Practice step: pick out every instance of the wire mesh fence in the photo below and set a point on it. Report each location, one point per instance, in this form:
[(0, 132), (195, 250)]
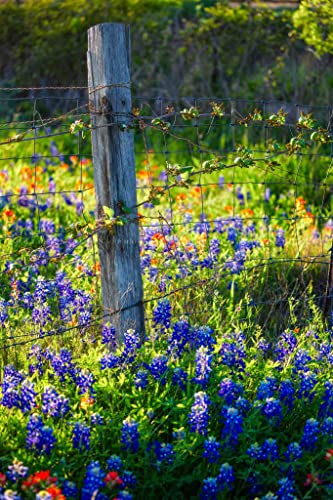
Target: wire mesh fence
[(234, 206)]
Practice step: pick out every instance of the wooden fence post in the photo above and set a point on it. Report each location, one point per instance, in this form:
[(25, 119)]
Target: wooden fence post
[(114, 173)]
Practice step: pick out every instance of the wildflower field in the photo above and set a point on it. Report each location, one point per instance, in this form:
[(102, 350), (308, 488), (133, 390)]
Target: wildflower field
[(230, 393)]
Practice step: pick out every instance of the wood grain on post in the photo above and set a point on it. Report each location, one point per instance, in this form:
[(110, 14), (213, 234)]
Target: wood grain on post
[(114, 173)]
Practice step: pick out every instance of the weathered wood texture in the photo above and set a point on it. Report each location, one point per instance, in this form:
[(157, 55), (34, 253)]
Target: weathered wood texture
[(114, 173)]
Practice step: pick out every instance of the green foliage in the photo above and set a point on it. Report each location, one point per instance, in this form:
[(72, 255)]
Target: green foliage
[(48, 38), (314, 22), (179, 47)]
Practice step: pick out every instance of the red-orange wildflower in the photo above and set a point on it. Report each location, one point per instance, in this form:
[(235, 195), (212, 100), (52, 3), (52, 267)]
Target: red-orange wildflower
[(56, 493), (312, 479), (3, 479), (112, 479)]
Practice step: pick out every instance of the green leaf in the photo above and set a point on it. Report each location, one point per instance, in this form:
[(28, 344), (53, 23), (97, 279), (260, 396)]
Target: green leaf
[(109, 212)]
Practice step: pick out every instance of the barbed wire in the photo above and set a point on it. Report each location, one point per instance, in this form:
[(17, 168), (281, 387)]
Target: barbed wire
[(166, 127)]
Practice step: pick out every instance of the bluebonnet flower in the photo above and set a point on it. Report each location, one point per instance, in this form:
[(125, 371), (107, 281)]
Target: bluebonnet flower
[(287, 393), (79, 207), (226, 477), (215, 248), (162, 286), (232, 235), (310, 434), (243, 405), (327, 427), (238, 222), (130, 435), (114, 463), (203, 226), (40, 356), (164, 454), (211, 450), (3, 312), (180, 337), (210, 489), (237, 263), (53, 149), (293, 452), (85, 381), (267, 194), (27, 300), (158, 368), (27, 397), (145, 263), (41, 259), (96, 419), (326, 352), (272, 409), (41, 314), (11, 379), (179, 435), (39, 436), (255, 482), (230, 391), (66, 296), (109, 335), (54, 404), (308, 381), (270, 450), (267, 388), (255, 452), (110, 361), (326, 407), (162, 314), (221, 181), (233, 425), (246, 245), (207, 262), (93, 481), (286, 490), (128, 478), (53, 245), (131, 345), (280, 239), (240, 195), (83, 307), (233, 353), (202, 336), (220, 225), (301, 360), (63, 365), (264, 346), (46, 226), (179, 377), (286, 345), (42, 290), (17, 470), (203, 361), (251, 228), (69, 489), (141, 379), (81, 436), (199, 416)]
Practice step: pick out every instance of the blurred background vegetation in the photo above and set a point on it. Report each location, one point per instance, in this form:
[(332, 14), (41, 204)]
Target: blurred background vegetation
[(269, 50)]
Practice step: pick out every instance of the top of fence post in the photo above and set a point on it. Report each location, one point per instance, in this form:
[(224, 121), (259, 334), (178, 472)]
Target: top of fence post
[(114, 173)]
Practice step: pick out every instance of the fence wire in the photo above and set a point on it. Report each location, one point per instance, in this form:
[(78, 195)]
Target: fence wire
[(234, 208)]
